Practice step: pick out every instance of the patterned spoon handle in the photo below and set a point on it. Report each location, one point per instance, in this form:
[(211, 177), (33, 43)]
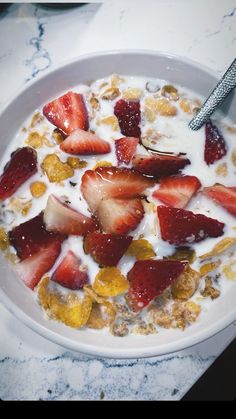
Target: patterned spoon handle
[(217, 96)]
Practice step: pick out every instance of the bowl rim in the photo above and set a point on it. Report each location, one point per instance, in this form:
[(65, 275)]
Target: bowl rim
[(91, 349)]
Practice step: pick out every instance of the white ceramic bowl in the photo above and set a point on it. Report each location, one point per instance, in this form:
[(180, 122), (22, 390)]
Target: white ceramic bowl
[(15, 296)]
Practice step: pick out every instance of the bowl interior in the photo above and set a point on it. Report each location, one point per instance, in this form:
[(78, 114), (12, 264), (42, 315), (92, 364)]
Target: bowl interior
[(14, 294)]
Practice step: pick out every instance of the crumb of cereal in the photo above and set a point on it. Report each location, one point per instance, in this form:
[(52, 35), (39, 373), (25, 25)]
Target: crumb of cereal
[(222, 170), (184, 253), (55, 169), (36, 119), (228, 270), (186, 284), (94, 102), (96, 320), (4, 239), (102, 163), (209, 290), (112, 121), (231, 129), (144, 329), (12, 257), (119, 329), (57, 136), (111, 93), (76, 163), (21, 205), (38, 189), (149, 114), (116, 80), (131, 93), (170, 92), (233, 156), (35, 140), (185, 313)]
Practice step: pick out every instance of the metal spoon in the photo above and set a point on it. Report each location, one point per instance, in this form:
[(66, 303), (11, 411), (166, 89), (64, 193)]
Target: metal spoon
[(217, 96)]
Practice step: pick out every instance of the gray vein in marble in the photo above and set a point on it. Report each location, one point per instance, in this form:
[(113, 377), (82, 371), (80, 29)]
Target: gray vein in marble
[(227, 15), (40, 59), (230, 14)]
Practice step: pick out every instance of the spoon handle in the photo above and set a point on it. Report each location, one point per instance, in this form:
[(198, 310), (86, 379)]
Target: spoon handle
[(217, 96)]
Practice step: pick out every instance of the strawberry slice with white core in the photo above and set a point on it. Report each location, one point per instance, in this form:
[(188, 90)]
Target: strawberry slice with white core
[(112, 182), (225, 196), (82, 142), (32, 269), (158, 165), (176, 191), (71, 273), (125, 149), (68, 112), (120, 216), (181, 227), (61, 218)]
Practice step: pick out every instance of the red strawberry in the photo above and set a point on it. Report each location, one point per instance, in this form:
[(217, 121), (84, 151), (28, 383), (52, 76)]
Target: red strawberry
[(112, 182), (179, 226), (61, 218), (157, 165), (129, 116), (177, 191), (125, 149), (70, 273), (30, 237), (22, 165), (120, 216), (83, 143), (215, 146), (68, 112), (34, 267), (222, 195), (149, 278), (106, 249)]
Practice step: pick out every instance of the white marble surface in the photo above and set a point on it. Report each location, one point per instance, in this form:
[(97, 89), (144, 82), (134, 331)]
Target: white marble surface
[(31, 40)]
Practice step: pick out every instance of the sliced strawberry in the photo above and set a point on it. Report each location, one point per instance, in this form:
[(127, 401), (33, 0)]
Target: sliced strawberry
[(179, 226), (149, 278), (215, 146), (125, 149), (61, 218), (176, 191), (82, 142), (112, 182), (129, 116), (223, 195), (157, 165), (68, 112), (120, 216), (70, 273), (21, 166), (106, 249), (34, 267), (30, 237)]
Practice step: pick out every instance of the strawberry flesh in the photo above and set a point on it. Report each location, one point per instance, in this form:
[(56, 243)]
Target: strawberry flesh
[(129, 116), (157, 165), (222, 195), (31, 269), (215, 146), (61, 218), (149, 278), (120, 216), (31, 237), (68, 112), (106, 249), (112, 182), (81, 142), (125, 149), (182, 227), (22, 165), (70, 274), (176, 191)]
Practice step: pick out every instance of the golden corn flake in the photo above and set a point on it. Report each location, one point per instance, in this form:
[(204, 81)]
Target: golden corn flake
[(132, 93), (228, 270), (161, 106), (109, 282), (57, 136), (116, 80), (209, 290), (96, 320), (141, 249), (161, 317), (35, 140), (220, 247), (185, 105), (111, 93), (38, 189), (76, 163), (222, 170), (21, 205), (55, 169), (209, 267), (70, 310), (186, 284), (102, 164), (170, 92), (184, 253), (112, 121), (36, 119), (4, 239), (94, 102)]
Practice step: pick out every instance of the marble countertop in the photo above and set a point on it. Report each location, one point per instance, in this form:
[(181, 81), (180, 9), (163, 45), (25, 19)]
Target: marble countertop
[(32, 39)]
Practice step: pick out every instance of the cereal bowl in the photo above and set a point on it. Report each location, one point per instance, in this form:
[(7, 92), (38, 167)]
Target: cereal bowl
[(17, 298)]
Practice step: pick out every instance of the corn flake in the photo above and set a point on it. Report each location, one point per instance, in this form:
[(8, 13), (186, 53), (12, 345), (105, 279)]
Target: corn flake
[(111, 93), (112, 121), (102, 164), (170, 92), (4, 239), (220, 247), (109, 282), (184, 253), (209, 267), (55, 169), (70, 310), (209, 290), (38, 189), (21, 205), (141, 249), (228, 271), (132, 93)]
